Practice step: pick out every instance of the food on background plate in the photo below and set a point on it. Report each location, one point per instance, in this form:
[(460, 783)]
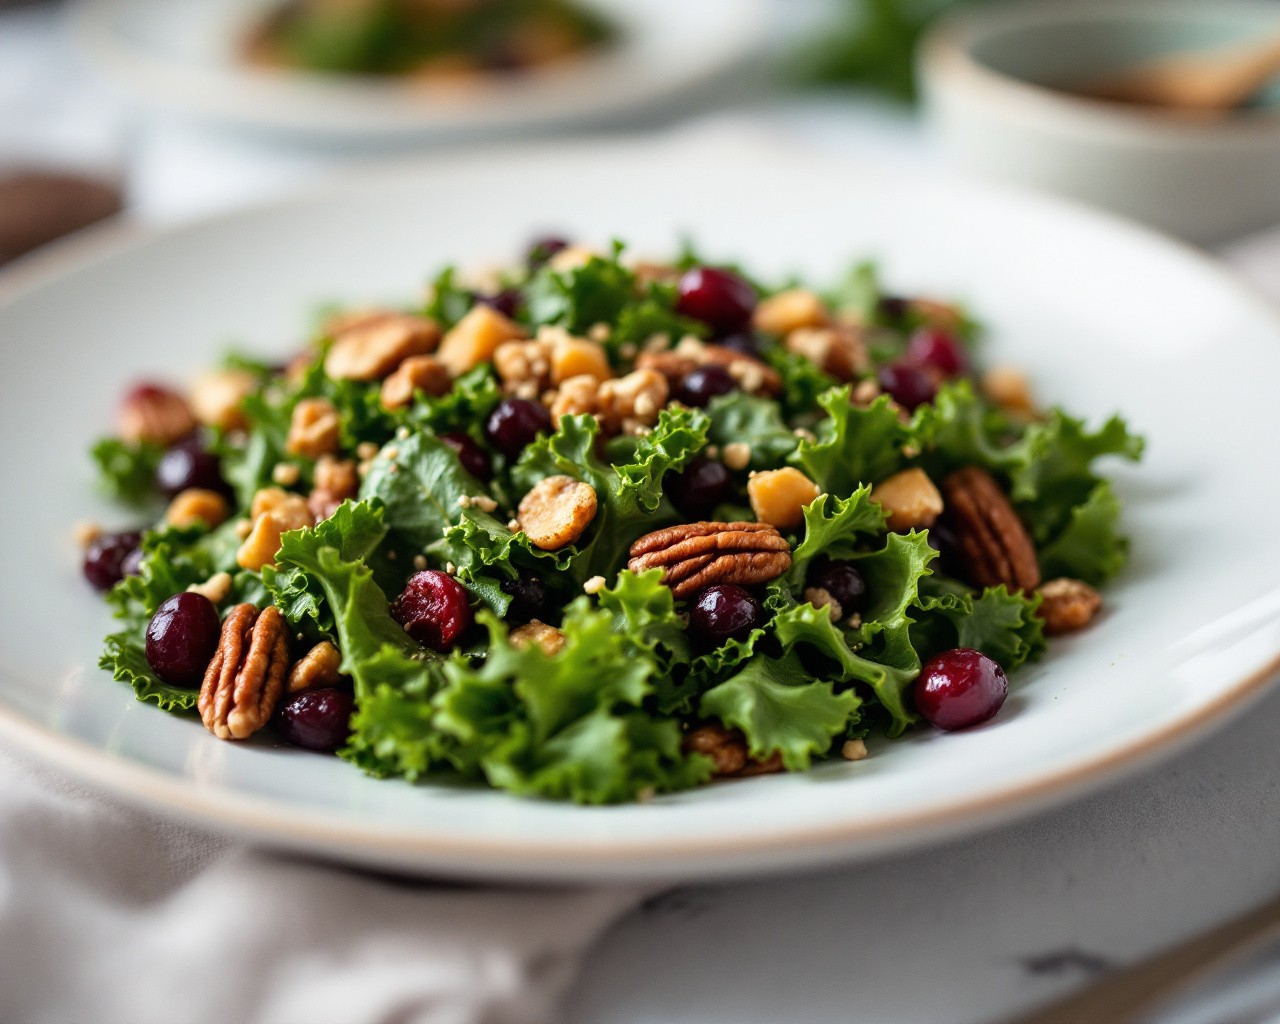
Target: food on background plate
[(595, 529), (430, 40)]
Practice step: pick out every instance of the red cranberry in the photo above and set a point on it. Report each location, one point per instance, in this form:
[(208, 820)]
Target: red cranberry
[(741, 341), (724, 611), (187, 464), (106, 556), (960, 688), (471, 455), (719, 298), (529, 598), (704, 484), (908, 384), (843, 582), (543, 249), (132, 564), (703, 384), (507, 302), (318, 719), (182, 637), (938, 350), (944, 540), (514, 423), (434, 609)]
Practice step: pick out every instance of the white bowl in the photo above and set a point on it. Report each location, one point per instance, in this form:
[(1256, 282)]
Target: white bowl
[(990, 79)]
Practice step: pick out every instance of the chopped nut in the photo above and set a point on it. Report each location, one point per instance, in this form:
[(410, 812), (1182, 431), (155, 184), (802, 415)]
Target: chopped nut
[(195, 505), (737, 455), (594, 585), (217, 588), (575, 397), (526, 365), (1008, 389), (854, 750), (366, 450), (314, 429), (557, 511), (474, 339), (695, 555), (778, 496), (839, 351), (85, 533), (866, 391), (417, 373), (727, 749), (639, 396), (372, 347), (336, 477), (550, 639), (481, 501), (154, 414), (216, 398), (285, 474), (245, 679), (576, 357), (243, 528), (262, 544), (289, 510), (318, 667), (788, 311), (1067, 605), (820, 597), (909, 499)]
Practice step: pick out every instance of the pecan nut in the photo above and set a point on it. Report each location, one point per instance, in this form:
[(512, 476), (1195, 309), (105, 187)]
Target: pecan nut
[(1068, 605), (696, 555), (727, 749), (993, 544), (246, 677)]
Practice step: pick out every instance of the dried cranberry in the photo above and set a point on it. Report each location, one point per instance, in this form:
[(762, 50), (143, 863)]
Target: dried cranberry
[(704, 484), (132, 564), (188, 464), (908, 384), (543, 249), (719, 298), (182, 637), (938, 350), (514, 423), (530, 598), (434, 609), (318, 719), (843, 582), (507, 302), (471, 455), (701, 385), (106, 556), (960, 688), (724, 611)]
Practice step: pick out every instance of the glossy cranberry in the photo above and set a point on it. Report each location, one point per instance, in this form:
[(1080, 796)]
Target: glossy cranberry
[(471, 455), (318, 719), (719, 298), (703, 384), (843, 582), (106, 556), (908, 384), (182, 637), (741, 341), (944, 540), (188, 464), (960, 688), (543, 249), (530, 598), (434, 609), (703, 484), (724, 611), (132, 564), (939, 350), (515, 422), (507, 302)]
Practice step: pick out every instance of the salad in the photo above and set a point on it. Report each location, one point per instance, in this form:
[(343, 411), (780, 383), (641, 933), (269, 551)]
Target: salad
[(593, 529)]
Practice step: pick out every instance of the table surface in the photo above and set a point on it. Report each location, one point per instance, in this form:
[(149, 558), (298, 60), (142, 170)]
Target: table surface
[(967, 931)]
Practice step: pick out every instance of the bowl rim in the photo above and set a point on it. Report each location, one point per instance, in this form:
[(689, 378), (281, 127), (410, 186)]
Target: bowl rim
[(946, 63)]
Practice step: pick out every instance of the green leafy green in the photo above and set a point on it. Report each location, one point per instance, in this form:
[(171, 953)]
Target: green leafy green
[(127, 470), (577, 299), (833, 528), (853, 446), (756, 422), (1001, 625), (1090, 546), (463, 408), (449, 302)]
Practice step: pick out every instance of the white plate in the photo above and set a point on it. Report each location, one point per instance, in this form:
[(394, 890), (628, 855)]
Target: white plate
[(1105, 315), (182, 54)]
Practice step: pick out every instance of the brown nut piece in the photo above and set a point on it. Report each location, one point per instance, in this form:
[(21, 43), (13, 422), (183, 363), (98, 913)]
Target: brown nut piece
[(154, 414), (524, 365), (289, 510), (245, 679), (550, 639), (1067, 605), (839, 351), (318, 667), (635, 399), (195, 505), (336, 480), (727, 749), (370, 346), (994, 545), (557, 511), (216, 398), (695, 555), (314, 429), (909, 499), (417, 373), (789, 311)]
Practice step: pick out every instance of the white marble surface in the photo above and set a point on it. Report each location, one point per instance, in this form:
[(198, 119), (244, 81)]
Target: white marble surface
[(968, 931)]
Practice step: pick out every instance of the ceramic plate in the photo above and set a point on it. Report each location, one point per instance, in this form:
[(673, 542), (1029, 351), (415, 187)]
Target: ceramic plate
[(182, 54), (1105, 316)]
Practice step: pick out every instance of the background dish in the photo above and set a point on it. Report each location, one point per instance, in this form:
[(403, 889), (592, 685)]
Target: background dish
[(183, 54), (1104, 315)]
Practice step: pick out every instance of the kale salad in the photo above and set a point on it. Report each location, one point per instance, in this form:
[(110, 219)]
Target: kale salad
[(594, 529)]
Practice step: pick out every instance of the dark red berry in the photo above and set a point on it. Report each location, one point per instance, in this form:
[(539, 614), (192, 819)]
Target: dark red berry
[(132, 564), (938, 350), (514, 423), (960, 688), (724, 611), (908, 384), (182, 637), (892, 309), (434, 609), (507, 302), (106, 556), (843, 582), (944, 540), (188, 464), (701, 385), (704, 484), (471, 455), (318, 719), (530, 598), (719, 298), (543, 249), (741, 341)]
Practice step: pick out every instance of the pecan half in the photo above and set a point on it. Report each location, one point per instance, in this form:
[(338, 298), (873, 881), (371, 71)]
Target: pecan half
[(1068, 605), (245, 679), (727, 749), (696, 555), (993, 543)]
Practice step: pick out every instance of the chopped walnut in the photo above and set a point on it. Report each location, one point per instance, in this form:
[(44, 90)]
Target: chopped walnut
[(314, 430), (820, 597), (839, 351), (417, 373), (289, 510), (216, 398), (1067, 605), (727, 749), (550, 639), (639, 396), (575, 397), (336, 476)]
